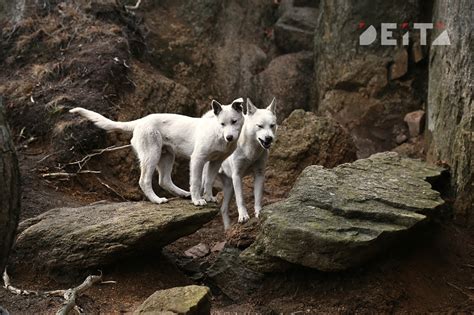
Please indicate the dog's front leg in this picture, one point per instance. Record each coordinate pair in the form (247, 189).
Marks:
(213, 169)
(196, 167)
(239, 195)
(259, 173)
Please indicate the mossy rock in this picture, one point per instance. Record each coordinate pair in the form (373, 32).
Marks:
(335, 219)
(189, 300)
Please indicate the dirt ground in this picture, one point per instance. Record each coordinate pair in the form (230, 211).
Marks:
(432, 273)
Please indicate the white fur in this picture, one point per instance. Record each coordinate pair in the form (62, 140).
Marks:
(250, 156)
(158, 138)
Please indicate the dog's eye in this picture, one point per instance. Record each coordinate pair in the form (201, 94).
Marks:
(233, 122)
(260, 126)
(222, 124)
(272, 125)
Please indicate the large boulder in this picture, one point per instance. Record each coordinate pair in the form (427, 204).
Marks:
(335, 219)
(239, 49)
(294, 30)
(189, 300)
(290, 72)
(232, 276)
(450, 112)
(76, 239)
(368, 89)
(305, 139)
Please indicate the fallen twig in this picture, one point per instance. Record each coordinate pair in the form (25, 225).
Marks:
(71, 294)
(63, 174)
(460, 289)
(86, 158)
(111, 189)
(48, 156)
(7, 285)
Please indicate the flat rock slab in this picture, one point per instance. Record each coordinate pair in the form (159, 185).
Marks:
(189, 300)
(339, 218)
(72, 239)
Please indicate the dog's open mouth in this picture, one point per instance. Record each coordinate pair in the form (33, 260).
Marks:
(265, 144)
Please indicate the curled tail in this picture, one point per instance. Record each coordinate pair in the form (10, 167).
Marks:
(102, 122)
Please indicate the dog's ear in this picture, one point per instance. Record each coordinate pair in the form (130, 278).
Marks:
(272, 106)
(237, 104)
(251, 109)
(216, 107)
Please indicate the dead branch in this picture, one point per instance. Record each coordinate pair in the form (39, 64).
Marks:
(48, 156)
(71, 294)
(63, 174)
(459, 289)
(7, 285)
(86, 158)
(111, 189)
(133, 7)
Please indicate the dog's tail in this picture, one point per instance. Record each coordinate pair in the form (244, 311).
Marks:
(104, 123)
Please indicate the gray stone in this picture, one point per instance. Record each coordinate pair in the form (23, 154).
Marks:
(72, 239)
(305, 139)
(189, 300)
(197, 251)
(238, 49)
(450, 107)
(236, 63)
(218, 246)
(231, 275)
(339, 218)
(290, 72)
(416, 122)
(294, 30)
(400, 65)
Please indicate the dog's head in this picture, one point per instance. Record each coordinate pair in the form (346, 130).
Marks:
(262, 122)
(230, 118)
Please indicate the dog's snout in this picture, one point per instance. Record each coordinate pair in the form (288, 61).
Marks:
(229, 138)
(268, 139)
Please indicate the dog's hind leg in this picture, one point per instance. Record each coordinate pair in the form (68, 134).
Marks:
(228, 193)
(147, 145)
(165, 167)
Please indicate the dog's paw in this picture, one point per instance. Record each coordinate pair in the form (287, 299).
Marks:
(199, 202)
(210, 199)
(257, 212)
(186, 195)
(243, 217)
(159, 200)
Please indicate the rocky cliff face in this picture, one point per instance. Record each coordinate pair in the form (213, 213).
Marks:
(450, 102)
(368, 89)
(175, 56)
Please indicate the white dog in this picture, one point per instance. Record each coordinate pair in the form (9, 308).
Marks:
(157, 138)
(251, 154)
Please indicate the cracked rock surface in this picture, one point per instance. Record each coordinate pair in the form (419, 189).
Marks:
(339, 218)
(72, 239)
